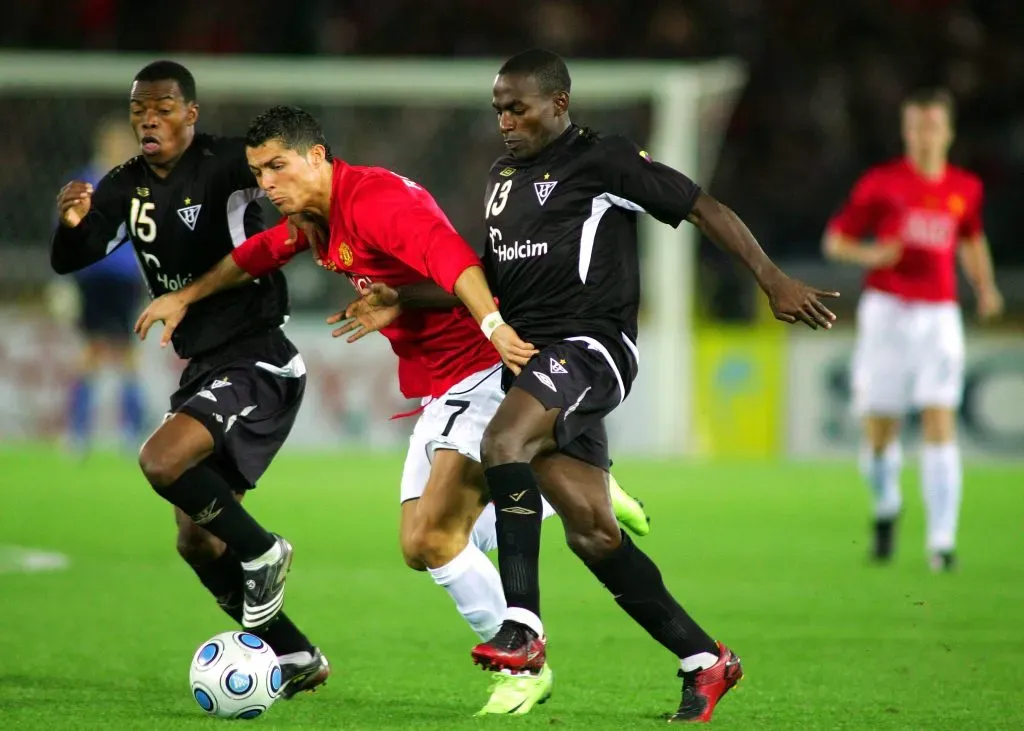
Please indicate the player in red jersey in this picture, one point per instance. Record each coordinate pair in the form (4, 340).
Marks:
(374, 226)
(920, 212)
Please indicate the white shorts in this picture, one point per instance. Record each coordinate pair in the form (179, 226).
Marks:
(456, 420)
(909, 355)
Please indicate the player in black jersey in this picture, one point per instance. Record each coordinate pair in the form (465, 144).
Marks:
(183, 204)
(561, 211)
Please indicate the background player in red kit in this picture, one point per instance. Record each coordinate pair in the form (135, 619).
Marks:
(920, 211)
(375, 226)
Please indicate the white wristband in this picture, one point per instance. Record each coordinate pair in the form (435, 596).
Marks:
(490, 323)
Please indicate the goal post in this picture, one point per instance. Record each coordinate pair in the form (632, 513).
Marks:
(687, 105)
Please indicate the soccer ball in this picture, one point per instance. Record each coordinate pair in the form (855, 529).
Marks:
(235, 675)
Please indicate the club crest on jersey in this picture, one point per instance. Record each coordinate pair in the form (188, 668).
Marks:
(543, 190)
(346, 254)
(558, 366)
(189, 215)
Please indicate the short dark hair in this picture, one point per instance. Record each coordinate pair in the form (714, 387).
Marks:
(547, 67)
(931, 96)
(296, 128)
(170, 71)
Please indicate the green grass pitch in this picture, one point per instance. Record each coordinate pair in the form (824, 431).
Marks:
(768, 556)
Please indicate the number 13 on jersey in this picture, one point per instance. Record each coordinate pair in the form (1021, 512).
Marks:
(143, 227)
(498, 199)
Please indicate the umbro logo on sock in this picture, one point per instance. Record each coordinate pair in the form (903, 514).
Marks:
(516, 510)
(207, 514)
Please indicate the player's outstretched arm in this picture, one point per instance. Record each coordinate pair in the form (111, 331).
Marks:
(791, 300)
(380, 305)
(171, 308)
(426, 296)
(257, 256)
(472, 288)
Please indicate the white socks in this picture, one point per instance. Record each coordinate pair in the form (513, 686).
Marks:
(474, 584)
(525, 616)
(485, 535)
(700, 661)
(273, 555)
(882, 473)
(941, 486)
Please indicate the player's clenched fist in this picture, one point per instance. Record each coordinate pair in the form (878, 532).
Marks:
(73, 202)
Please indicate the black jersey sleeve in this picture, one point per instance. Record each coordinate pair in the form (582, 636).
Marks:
(245, 217)
(631, 174)
(102, 230)
(235, 163)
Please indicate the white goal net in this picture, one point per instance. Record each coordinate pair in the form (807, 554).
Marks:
(428, 120)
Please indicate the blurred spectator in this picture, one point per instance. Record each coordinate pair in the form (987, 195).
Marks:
(110, 292)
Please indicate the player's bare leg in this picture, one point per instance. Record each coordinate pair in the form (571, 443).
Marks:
(579, 493)
(435, 537)
(881, 460)
(171, 459)
(941, 484)
(303, 666)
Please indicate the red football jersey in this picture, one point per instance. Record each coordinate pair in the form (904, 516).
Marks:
(386, 228)
(894, 203)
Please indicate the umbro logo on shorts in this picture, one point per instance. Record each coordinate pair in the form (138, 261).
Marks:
(545, 379)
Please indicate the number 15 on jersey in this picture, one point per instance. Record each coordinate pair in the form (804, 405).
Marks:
(142, 226)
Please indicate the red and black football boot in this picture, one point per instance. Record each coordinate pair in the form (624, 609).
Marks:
(702, 689)
(516, 647)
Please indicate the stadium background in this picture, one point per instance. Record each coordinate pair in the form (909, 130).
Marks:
(819, 104)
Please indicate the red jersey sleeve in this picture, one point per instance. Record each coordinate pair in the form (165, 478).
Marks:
(971, 226)
(401, 218)
(268, 250)
(859, 215)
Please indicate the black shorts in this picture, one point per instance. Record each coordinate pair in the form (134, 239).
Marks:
(247, 395)
(580, 378)
(109, 307)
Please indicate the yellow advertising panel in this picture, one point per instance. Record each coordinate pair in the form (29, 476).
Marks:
(739, 391)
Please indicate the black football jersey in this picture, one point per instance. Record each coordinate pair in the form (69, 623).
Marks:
(181, 226)
(561, 255)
